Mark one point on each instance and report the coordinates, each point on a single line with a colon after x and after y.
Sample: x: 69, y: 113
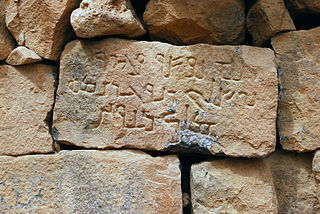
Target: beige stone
x: 26, y: 99
x: 7, y: 43
x: 294, y: 183
x: 316, y: 174
x: 232, y: 186
x: 193, y: 21
x: 22, y: 55
x: 316, y: 167
x: 106, y: 17
x: 91, y: 182
x: 41, y: 25
x: 298, y: 55
x: 304, y: 5
x: 117, y: 93
x: 266, y: 18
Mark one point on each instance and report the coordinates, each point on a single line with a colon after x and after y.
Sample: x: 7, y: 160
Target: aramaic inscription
x: 150, y: 95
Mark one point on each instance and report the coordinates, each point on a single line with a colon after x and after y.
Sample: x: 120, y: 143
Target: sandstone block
x: 193, y: 21
x: 232, y: 186
x: 7, y: 43
x: 266, y: 18
x: 26, y: 99
x: 90, y: 182
x: 298, y: 55
x: 294, y: 183
x: 22, y: 55
x: 316, y: 166
x: 118, y: 93
x: 105, y: 17
x: 41, y: 25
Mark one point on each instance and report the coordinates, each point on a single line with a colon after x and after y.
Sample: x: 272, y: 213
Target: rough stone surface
x: 298, y: 55
x: 26, y: 98
x: 294, y: 183
x: 7, y: 43
x: 150, y: 95
x: 316, y: 167
x: 106, y: 17
x: 22, y: 55
x: 41, y: 25
x: 304, y: 5
x: 232, y: 186
x: 193, y: 21
x: 267, y: 18
x: 90, y: 182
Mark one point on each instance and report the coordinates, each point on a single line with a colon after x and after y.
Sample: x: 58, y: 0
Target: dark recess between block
x: 249, y: 4
x: 278, y: 145
x: 306, y: 21
x: 55, y: 72
x: 185, y: 167
x: 248, y: 38
x: 303, y: 19
x: 139, y: 6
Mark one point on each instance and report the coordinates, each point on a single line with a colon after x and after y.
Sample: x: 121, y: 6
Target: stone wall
x: 159, y: 106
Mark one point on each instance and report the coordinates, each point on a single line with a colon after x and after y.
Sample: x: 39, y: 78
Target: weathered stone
x: 106, y: 17
x: 26, y: 99
x: 7, y: 43
x: 193, y: 21
x: 232, y: 186
x: 22, y: 55
x: 266, y: 18
x: 294, y: 183
x: 90, y: 182
x: 312, y: 6
x: 298, y: 53
x: 149, y: 95
x: 41, y: 25
x: 316, y: 166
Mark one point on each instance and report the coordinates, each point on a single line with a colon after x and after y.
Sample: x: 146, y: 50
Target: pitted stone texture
x: 119, y: 93
x: 90, y: 182
x: 7, y: 43
x: 298, y: 55
x: 193, y: 21
x: 316, y: 166
x: 294, y: 182
x: 41, y: 25
x: 106, y: 17
x: 26, y: 99
x: 232, y: 186
x: 267, y: 18
x: 312, y: 6
x: 22, y: 55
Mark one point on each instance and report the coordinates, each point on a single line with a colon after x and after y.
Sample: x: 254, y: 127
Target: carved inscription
x: 116, y: 93
x: 180, y: 66
x: 180, y: 89
x: 87, y: 84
